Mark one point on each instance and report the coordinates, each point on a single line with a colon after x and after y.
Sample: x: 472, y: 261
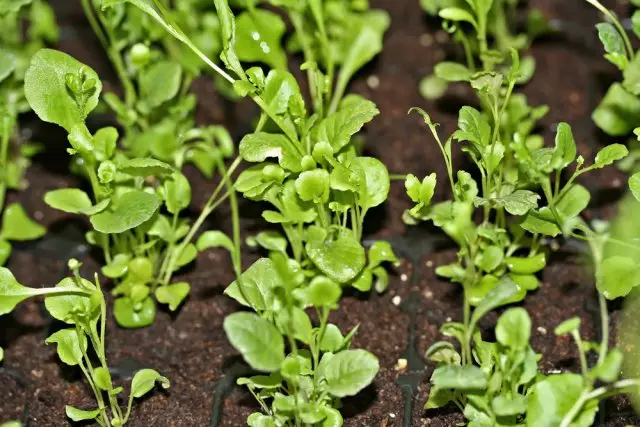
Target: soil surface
x: 190, y: 347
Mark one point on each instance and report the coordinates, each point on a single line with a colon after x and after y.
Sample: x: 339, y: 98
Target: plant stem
x: 4, y: 157
x: 615, y: 388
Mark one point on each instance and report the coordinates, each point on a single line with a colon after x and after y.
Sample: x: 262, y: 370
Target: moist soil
x: 190, y: 347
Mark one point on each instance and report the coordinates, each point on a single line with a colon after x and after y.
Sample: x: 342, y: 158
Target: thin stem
x: 616, y: 23
x: 583, y: 358
x: 4, y: 158
x: 604, y: 325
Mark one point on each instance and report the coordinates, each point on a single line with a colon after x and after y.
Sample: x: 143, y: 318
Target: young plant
x: 485, y: 31
x: 157, y: 112
x: 16, y: 48
x: 308, y: 168
x: 136, y: 202
x: 80, y: 304
x: 617, y: 113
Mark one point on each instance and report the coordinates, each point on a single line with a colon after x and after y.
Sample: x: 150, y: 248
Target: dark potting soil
x: 189, y: 346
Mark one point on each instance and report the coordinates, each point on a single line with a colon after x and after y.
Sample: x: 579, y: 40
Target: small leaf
x: 514, y: 328
x: 12, y: 293
x: 172, y: 294
x: 214, y: 239
x: 259, y: 146
x: 617, y: 276
x: 565, y: 150
x: 350, y: 371
x: 71, y: 200
x: 144, y: 380
x: 520, y: 202
x: 505, y: 407
x: 260, y: 343
x: 459, y: 377
x: 69, y: 345
x: 160, y: 82
x: 452, y: 72
x: 609, y: 154
x: 634, y: 185
x: 433, y: 87
x: 322, y: 292
x: 504, y: 290
x: 256, y: 285
x: 258, y: 36
x: 177, y: 193
x: 5, y: 251
x: 313, y: 186
x: 341, y: 258
x: 618, y: 112
x: 609, y: 369
x: 130, y: 210
x: 610, y: 38
x: 574, y: 201
x: 45, y: 86
x: 16, y: 225
x: 80, y: 414
x: 127, y: 316
x: 102, y: 378
x: 568, y: 326
x: 374, y: 190
x: 145, y: 167
x: 338, y: 128
x: 552, y: 398
x: 381, y: 251
x: 457, y: 14
x: 473, y: 127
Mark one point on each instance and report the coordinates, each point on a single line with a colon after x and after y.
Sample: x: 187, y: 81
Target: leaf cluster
x: 81, y: 306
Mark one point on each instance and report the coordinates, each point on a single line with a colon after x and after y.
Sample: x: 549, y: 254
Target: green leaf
x: 374, y: 190
x: 69, y: 307
x: 177, y: 193
x: 313, y: 186
x: 16, y: 225
x: 7, y: 62
x: 568, y: 326
x: 338, y: 128
x: 71, y: 200
x: 452, y: 72
x: 259, y: 146
x: 609, y: 369
x: 574, y: 201
x: 269, y: 240
x: 172, y: 294
x: 130, y: 210
x: 12, y: 6
x: 514, y: 328
x: 68, y: 345
x: 145, y: 167
x: 457, y: 14
x: 381, y: 251
x: 1, y: 354
x: 260, y: 343
x: 118, y: 266
x: 255, y: 286
x: 45, y: 86
x: 160, y: 82
x: 619, y: 111
x: 433, y: 87
x: 144, y: 380
x: 438, y: 398
x: 459, y: 377
x: 552, y: 398
x: 490, y: 258
x: 473, y: 127
x: 332, y: 339
x: 632, y: 72
x: 541, y: 221
x: 340, y: 258
x: 501, y: 294
x: 80, y: 414
x: 12, y: 293
x: 363, y: 42
x: 228, y: 31
x: 129, y: 316
x: 565, y: 150
x: 102, y: 378
x: 520, y: 202
x: 322, y: 292
x: 280, y: 87
x: 214, y: 239
x: 350, y: 371
x: 610, y: 38
x: 505, y: 407
x: 617, y: 276
x: 634, y: 186
x: 609, y: 154
x: 258, y: 36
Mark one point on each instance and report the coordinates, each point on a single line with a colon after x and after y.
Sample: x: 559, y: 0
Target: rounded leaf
x: 68, y: 345
x: 350, y: 371
x: 375, y: 188
x: 172, y: 294
x: 45, y: 86
x: 71, y: 200
x: 132, y: 209
x: 257, y: 339
x: 16, y: 225
x: 128, y: 317
x: 514, y: 328
x: 144, y: 380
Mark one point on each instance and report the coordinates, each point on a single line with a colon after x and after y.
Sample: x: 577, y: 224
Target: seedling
x: 15, y: 51
x: 157, y: 111
x: 485, y: 30
x: 308, y: 168
x: 135, y: 204
x: 80, y: 304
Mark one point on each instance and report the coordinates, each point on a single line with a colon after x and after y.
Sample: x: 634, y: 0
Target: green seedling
x: 157, y: 111
x: 80, y: 304
x: 485, y: 31
x: 308, y: 168
x: 135, y: 205
x: 16, y: 48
